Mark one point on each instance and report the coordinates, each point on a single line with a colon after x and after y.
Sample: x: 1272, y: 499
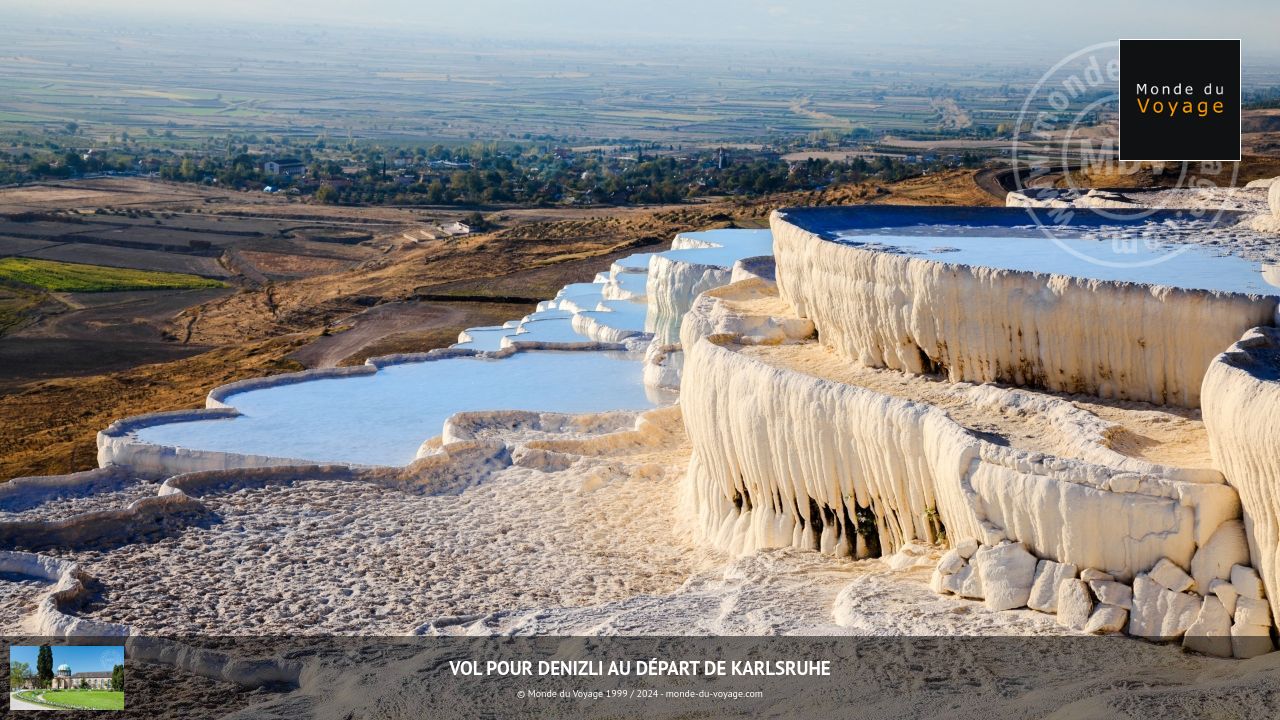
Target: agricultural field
x: 15, y: 303
x: 98, y: 276
x: 77, y: 277
x: 123, y: 257
x: 169, y: 228
x: 406, y: 87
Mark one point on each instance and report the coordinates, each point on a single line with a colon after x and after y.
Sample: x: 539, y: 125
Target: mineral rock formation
x: 715, y: 314
x: 1246, y: 583
x: 1226, y: 593
x: 675, y: 281
x: 1241, y: 395
x: 1075, y: 604
x: 1044, y: 589
x: 951, y: 562
x: 69, y: 590
x: 982, y: 324
x: 967, y: 547
x: 1252, y: 611
x: 1170, y: 576
x: 672, y: 288
x: 784, y: 458
x: 954, y: 583
x: 937, y: 583
x: 1107, y: 619
x: 970, y: 583
x: 1249, y: 641
x: 1226, y: 547
x: 1159, y: 613
x: 1007, y: 572
x: 1211, y: 632
x: 1110, y: 592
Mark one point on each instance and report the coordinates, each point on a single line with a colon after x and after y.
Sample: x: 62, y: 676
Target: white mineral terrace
x: 968, y: 305
x: 698, y: 261
x: 383, y: 413
x: 922, y: 421
x: 382, y: 418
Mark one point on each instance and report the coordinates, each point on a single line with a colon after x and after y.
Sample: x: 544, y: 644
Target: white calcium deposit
x: 1242, y: 415
x: 573, y: 512
x: 786, y: 459
x: 840, y: 403
x: 68, y: 589
x: 980, y: 324
x: 381, y: 412
x: 697, y: 262
x: 1252, y: 198
x: 1252, y: 238
x: 785, y: 455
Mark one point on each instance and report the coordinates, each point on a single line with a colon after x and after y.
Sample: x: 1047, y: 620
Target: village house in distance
x: 285, y: 167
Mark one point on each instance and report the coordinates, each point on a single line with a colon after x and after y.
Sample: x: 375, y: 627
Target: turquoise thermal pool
x: 1161, y: 248
x: 383, y: 418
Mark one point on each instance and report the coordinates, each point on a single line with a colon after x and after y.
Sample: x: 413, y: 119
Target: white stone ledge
x: 1103, y: 338
x: 784, y: 458
x: 449, y: 470
x: 1241, y: 408
x: 472, y: 425
x: 52, y: 617
x: 119, y: 445
x: 115, y: 525
x: 593, y: 324
x: 32, y: 489
x: 219, y: 396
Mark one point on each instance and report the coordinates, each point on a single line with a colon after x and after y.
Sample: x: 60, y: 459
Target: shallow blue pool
x: 382, y: 419
x: 1157, y: 248
x: 724, y: 246
x: 485, y: 338
x: 1188, y: 266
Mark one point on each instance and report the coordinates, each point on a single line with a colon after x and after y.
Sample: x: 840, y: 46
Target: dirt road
x: 372, y: 325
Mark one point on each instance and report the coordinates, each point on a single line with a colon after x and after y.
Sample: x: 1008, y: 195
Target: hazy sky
x: 1049, y: 26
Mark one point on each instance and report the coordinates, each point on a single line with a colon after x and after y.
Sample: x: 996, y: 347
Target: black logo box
x: 1187, y: 65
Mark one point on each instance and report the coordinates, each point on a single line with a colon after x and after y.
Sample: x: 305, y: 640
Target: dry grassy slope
x: 50, y: 427
x: 505, y: 260
x: 310, y: 303
x: 952, y: 187
x: 475, y: 314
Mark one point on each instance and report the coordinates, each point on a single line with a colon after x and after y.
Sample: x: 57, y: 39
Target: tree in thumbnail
x: 44, y: 666
x: 18, y: 674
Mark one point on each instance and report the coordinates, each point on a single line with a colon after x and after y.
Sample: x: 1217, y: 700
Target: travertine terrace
x: 856, y: 424
x: 867, y: 436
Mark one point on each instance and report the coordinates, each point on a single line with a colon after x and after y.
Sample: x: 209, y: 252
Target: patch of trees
x: 1262, y: 98
x: 19, y: 672
x: 485, y: 174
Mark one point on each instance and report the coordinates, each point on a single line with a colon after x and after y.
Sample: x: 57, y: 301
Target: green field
x: 73, y: 277
x: 88, y: 699
x: 396, y: 84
